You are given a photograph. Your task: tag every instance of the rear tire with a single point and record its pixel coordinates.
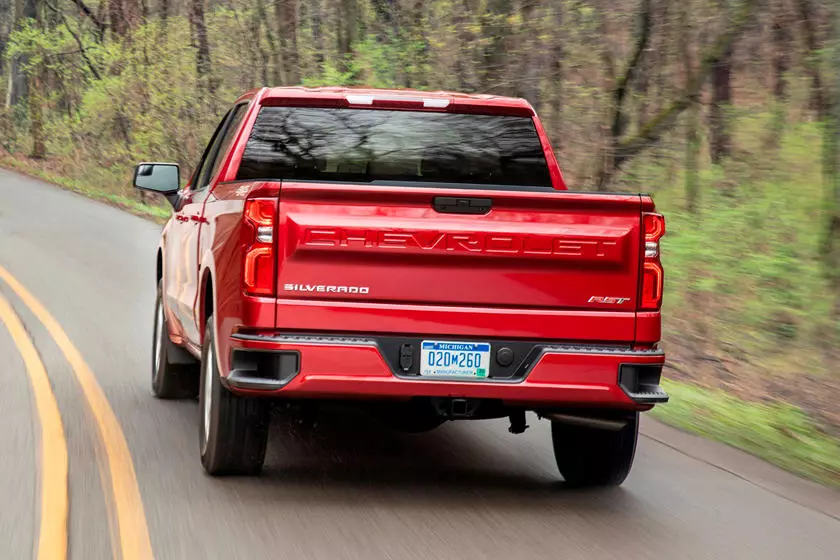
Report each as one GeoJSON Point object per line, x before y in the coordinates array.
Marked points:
{"type": "Point", "coordinates": [174, 372]}
{"type": "Point", "coordinates": [233, 430]}
{"type": "Point", "coordinates": [589, 457]}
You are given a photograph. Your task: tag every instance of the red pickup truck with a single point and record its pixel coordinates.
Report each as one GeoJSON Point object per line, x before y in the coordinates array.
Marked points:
{"type": "Point", "coordinates": [414, 252]}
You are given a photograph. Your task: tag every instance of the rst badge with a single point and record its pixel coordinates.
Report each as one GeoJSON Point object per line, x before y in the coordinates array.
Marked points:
{"type": "Point", "coordinates": [609, 300]}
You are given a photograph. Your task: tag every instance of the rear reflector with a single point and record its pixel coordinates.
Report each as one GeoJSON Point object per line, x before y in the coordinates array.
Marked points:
{"type": "Point", "coordinates": [259, 271]}
{"type": "Point", "coordinates": [652, 281]}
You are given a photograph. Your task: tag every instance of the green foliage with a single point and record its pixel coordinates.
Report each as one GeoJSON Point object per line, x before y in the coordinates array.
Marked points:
{"type": "Point", "coordinates": [779, 433]}
{"type": "Point", "coordinates": [751, 256]}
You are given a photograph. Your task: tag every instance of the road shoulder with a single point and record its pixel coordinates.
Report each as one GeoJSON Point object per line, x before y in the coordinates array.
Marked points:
{"type": "Point", "coordinates": [745, 466]}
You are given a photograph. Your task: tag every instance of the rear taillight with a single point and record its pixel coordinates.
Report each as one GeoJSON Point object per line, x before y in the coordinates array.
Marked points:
{"type": "Point", "coordinates": [652, 274]}
{"type": "Point", "coordinates": [258, 272]}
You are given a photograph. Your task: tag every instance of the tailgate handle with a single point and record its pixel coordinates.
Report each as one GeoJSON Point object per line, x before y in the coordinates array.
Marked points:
{"type": "Point", "coordinates": [460, 205]}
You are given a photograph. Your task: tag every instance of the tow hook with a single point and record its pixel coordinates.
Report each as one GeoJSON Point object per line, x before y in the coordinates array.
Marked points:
{"type": "Point", "coordinates": [517, 422]}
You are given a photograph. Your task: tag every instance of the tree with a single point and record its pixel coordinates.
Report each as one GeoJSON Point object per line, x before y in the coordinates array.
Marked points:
{"type": "Point", "coordinates": [16, 87]}
{"type": "Point", "coordinates": [6, 20]}
{"type": "Point", "coordinates": [287, 16]}
{"type": "Point", "coordinates": [316, 22]}
{"type": "Point", "coordinates": [831, 165]}
{"type": "Point", "coordinates": [496, 29]}
{"type": "Point", "coordinates": [720, 142]}
{"type": "Point", "coordinates": [531, 53]}
{"type": "Point", "coordinates": [781, 49]}
{"type": "Point", "coordinates": [347, 32]}
{"type": "Point", "coordinates": [813, 45]}
{"type": "Point", "coordinates": [202, 46]}
{"type": "Point", "coordinates": [621, 150]}
{"type": "Point", "coordinates": [123, 16]}
{"type": "Point", "coordinates": [692, 125]}
{"type": "Point", "coordinates": [557, 75]}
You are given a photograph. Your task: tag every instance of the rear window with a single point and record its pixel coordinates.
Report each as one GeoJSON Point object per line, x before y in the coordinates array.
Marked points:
{"type": "Point", "coordinates": [363, 145]}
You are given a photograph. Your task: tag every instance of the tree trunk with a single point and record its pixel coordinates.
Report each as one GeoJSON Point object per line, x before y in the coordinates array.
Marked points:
{"type": "Point", "coordinates": [124, 16]}
{"type": "Point", "coordinates": [531, 53]}
{"type": "Point", "coordinates": [720, 142]}
{"type": "Point", "coordinates": [692, 125]}
{"type": "Point", "coordinates": [6, 21]}
{"type": "Point", "coordinates": [416, 76]}
{"type": "Point", "coordinates": [557, 76]}
{"type": "Point", "coordinates": [781, 50]}
{"type": "Point", "coordinates": [36, 112]}
{"type": "Point", "coordinates": [287, 26]}
{"type": "Point", "coordinates": [346, 36]}
{"type": "Point", "coordinates": [812, 45]}
{"type": "Point", "coordinates": [202, 46]}
{"type": "Point", "coordinates": [495, 29]}
{"type": "Point", "coordinates": [620, 87]}
{"type": "Point", "coordinates": [317, 16]}
{"type": "Point", "coordinates": [272, 55]}
{"type": "Point", "coordinates": [465, 61]}
{"type": "Point", "coordinates": [831, 167]}
{"type": "Point", "coordinates": [261, 56]}
{"type": "Point", "coordinates": [781, 67]}
{"type": "Point", "coordinates": [17, 84]}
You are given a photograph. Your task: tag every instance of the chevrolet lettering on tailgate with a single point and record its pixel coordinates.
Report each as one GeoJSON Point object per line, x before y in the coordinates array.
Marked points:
{"type": "Point", "coordinates": [494, 244]}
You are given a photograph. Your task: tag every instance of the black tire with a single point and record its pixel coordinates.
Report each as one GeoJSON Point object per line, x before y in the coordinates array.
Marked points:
{"type": "Point", "coordinates": [174, 370]}
{"type": "Point", "coordinates": [589, 456]}
{"type": "Point", "coordinates": [234, 432]}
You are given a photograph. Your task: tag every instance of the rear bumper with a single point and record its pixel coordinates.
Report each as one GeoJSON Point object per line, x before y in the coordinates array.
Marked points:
{"type": "Point", "coordinates": [338, 367]}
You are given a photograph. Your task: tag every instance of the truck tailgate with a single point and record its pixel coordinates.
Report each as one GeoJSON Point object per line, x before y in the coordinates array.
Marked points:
{"type": "Point", "coordinates": [388, 244]}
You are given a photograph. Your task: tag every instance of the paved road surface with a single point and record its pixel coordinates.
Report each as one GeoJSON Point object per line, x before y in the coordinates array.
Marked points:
{"type": "Point", "coordinates": [344, 488]}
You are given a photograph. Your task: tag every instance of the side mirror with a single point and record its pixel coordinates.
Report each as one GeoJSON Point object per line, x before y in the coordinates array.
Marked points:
{"type": "Point", "coordinates": [162, 178]}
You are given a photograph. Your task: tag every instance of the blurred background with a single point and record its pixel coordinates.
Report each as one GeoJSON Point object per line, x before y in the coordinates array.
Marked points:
{"type": "Point", "coordinates": [728, 111]}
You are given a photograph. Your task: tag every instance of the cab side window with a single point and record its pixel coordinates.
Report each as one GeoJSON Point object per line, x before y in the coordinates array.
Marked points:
{"type": "Point", "coordinates": [219, 146]}
{"type": "Point", "coordinates": [196, 176]}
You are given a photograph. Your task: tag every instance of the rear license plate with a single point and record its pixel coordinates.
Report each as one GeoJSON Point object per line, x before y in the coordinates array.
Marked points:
{"type": "Point", "coordinates": [454, 359]}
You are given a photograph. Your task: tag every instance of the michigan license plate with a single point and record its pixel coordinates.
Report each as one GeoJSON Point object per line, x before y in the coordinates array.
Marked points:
{"type": "Point", "coordinates": [454, 359]}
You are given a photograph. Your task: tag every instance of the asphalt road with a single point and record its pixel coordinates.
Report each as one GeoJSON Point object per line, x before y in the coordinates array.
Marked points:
{"type": "Point", "coordinates": [345, 487]}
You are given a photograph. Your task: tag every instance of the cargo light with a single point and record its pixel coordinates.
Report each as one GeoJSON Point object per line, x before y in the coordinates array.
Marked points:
{"type": "Point", "coordinates": [259, 263]}
{"type": "Point", "coordinates": [429, 103]}
{"type": "Point", "coordinates": [653, 275]}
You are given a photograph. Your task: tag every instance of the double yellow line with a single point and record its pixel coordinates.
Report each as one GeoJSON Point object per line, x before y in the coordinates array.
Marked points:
{"type": "Point", "coordinates": [133, 534]}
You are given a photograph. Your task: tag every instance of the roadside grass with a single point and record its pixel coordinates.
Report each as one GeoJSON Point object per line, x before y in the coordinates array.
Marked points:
{"type": "Point", "coordinates": [93, 190]}
{"type": "Point", "coordinates": [778, 433]}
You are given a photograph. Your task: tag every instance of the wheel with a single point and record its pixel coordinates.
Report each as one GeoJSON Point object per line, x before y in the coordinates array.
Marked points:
{"type": "Point", "coordinates": [233, 430]}
{"type": "Point", "coordinates": [174, 371]}
{"type": "Point", "coordinates": [588, 456]}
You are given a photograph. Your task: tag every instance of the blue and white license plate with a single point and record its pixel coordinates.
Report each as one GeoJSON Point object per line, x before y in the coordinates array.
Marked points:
{"type": "Point", "coordinates": [454, 359]}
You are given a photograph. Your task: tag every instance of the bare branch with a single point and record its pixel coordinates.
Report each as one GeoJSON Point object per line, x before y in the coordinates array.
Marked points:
{"type": "Point", "coordinates": [652, 131]}
{"type": "Point", "coordinates": [89, 13]}
{"type": "Point", "coordinates": [620, 92]}
{"type": "Point", "coordinates": [78, 40]}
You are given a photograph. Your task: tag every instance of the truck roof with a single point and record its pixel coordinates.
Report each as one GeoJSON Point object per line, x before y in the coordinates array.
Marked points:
{"type": "Point", "coordinates": [402, 98]}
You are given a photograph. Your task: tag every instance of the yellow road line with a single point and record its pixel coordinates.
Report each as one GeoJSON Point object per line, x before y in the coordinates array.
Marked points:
{"type": "Point", "coordinates": [131, 520]}
{"type": "Point", "coordinates": [52, 533]}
